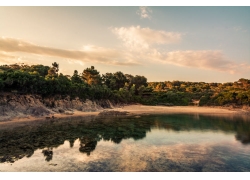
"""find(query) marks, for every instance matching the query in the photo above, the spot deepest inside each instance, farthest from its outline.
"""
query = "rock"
(61, 111)
(51, 164)
(69, 113)
(38, 111)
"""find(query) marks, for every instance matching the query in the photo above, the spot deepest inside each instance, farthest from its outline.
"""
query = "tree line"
(119, 87)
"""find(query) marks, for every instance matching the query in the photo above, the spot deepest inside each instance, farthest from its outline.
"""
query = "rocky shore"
(22, 106)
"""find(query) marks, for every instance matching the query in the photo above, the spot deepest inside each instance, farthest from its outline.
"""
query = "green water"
(150, 143)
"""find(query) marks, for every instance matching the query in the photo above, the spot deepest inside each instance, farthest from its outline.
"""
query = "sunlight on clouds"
(141, 41)
(6, 58)
(75, 62)
(144, 12)
(136, 37)
(206, 59)
(92, 48)
(140, 48)
(88, 54)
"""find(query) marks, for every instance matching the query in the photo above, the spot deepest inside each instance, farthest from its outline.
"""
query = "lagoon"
(149, 143)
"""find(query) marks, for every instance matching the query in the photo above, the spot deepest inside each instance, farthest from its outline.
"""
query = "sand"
(141, 109)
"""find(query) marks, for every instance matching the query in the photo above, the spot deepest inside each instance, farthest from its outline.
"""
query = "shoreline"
(136, 110)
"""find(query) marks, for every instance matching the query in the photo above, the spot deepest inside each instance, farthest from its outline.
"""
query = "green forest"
(119, 87)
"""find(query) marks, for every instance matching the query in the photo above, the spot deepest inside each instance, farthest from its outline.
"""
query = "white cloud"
(239, 29)
(136, 37)
(144, 12)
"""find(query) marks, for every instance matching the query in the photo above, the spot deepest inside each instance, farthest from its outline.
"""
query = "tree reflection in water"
(23, 141)
(87, 145)
(48, 153)
(244, 138)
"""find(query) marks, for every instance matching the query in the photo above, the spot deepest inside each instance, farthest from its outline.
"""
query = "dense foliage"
(213, 94)
(119, 87)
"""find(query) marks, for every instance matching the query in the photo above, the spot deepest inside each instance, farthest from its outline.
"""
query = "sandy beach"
(140, 110)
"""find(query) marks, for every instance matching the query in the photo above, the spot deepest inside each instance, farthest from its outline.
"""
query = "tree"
(1, 84)
(91, 76)
(115, 81)
(55, 66)
(76, 78)
(53, 71)
(41, 69)
(139, 81)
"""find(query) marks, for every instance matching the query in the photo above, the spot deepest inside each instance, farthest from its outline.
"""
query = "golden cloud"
(203, 59)
(90, 54)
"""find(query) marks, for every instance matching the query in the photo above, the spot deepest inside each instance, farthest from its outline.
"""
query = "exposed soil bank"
(15, 106)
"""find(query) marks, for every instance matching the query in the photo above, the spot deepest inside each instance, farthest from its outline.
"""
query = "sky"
(162, 43)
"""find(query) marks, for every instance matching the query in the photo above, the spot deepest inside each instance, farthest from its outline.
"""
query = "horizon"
(195, 44)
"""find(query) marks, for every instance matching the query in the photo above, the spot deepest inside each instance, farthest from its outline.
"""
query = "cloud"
(75, 62)
(203, 59)
(141, 43)
(137, 37)
(144, 12)
(239, 29)
(19, 51)
(88, 54)
(7, 58)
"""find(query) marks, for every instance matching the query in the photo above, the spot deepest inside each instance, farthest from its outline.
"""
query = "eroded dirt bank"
(25, 106)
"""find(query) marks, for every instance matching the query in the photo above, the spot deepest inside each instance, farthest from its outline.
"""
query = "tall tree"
(91, 76)
(115, 81)
(53, 71)
(55, 66)
(76, 78)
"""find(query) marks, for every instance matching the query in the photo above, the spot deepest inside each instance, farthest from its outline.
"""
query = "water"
(167, 143)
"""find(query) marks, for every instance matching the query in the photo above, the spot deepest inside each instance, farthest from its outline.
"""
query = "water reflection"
(20, 142)
(48, 153)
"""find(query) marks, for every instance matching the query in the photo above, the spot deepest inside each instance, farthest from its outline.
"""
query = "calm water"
(149, 143)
